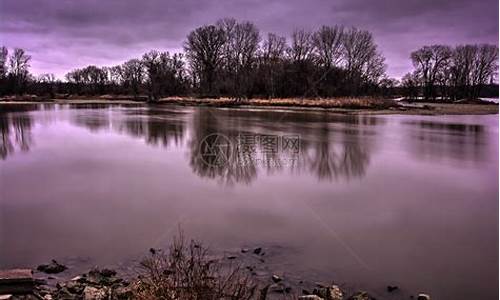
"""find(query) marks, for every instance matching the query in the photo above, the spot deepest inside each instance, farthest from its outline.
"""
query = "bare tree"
(133, 75)
(272, 62)
(462, 61)
(204, 49)
(241, 45)
(19, 63)
(3, 61)
(484, 68)
(429, 62)
(361, 58)
(411, 84)
(327, 43)
(301, 48)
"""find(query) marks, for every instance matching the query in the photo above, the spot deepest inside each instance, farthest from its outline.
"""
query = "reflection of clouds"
(437, 140)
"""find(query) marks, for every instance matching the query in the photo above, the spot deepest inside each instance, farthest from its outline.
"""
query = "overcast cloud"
(65, 34)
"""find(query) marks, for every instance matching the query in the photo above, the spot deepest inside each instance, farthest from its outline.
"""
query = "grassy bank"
(361, 105)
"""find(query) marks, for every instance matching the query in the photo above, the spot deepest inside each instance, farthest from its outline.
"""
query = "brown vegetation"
(186, 271)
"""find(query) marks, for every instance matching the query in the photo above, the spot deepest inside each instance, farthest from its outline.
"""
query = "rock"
(231, 257)
(244, 250)
(108, 272)
(279, 288)
(257, 250)
(6, 297)
(47, 297)
(423, 297)
(276, 278)
(329, 293)
(122, 292)
(92, 293)
(102, 277)
(16, 281)
(75, 287)
(53, 268)
(361, 296)
(310, 297)
(391, 288)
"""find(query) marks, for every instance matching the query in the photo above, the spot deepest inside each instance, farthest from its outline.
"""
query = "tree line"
(231, 58)
(455, 73)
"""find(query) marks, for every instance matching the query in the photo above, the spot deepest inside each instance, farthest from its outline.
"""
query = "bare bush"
(187, 272)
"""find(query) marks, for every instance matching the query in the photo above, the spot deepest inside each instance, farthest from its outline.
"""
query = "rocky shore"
(105, 283)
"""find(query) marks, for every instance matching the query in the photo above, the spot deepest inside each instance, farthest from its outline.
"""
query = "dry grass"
(343, 103)
(187, 272)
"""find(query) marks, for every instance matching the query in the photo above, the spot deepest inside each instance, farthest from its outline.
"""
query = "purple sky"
(64, 34)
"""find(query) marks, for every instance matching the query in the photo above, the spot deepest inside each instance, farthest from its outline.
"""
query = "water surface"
(362, 200)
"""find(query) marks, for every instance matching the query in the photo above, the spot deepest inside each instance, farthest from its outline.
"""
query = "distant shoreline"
(371, 106)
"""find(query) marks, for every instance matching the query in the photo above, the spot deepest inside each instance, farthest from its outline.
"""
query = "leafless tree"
(204, 48)
(272, 58)
(484, 67)
(133, 75)
(328, 46)
(242, 43)
(429, 62)
(3, 61)
(361, 58)
(19, 63)
(411, 84)
(301, 48)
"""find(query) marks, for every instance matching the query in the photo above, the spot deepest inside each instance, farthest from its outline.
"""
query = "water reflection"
(15, 129)
(435, 140)
(331, 147)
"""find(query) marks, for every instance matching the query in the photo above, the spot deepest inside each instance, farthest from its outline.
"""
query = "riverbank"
(334, 105)
(188, 271)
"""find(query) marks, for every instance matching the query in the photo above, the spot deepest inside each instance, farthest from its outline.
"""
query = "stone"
(422, 296)
(102, 277)
(244, 250)
(276, 278)
(122, 292)
(257, 250)
(74, 287)
(361, 296)
(391, 288)
(310, 297)
(6, 297)
(53, 268)
(329, 293)
(231, 257)
(92, 293)
(16, 281)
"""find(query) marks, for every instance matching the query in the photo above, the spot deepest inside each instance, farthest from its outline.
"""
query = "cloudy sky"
(64, 34)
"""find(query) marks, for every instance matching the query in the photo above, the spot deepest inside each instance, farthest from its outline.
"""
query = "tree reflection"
(15, 129)
(433, 140)
(329, 154)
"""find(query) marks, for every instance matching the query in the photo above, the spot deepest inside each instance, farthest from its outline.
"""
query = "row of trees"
(451, 73)
(156, 73)
(231, 58)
